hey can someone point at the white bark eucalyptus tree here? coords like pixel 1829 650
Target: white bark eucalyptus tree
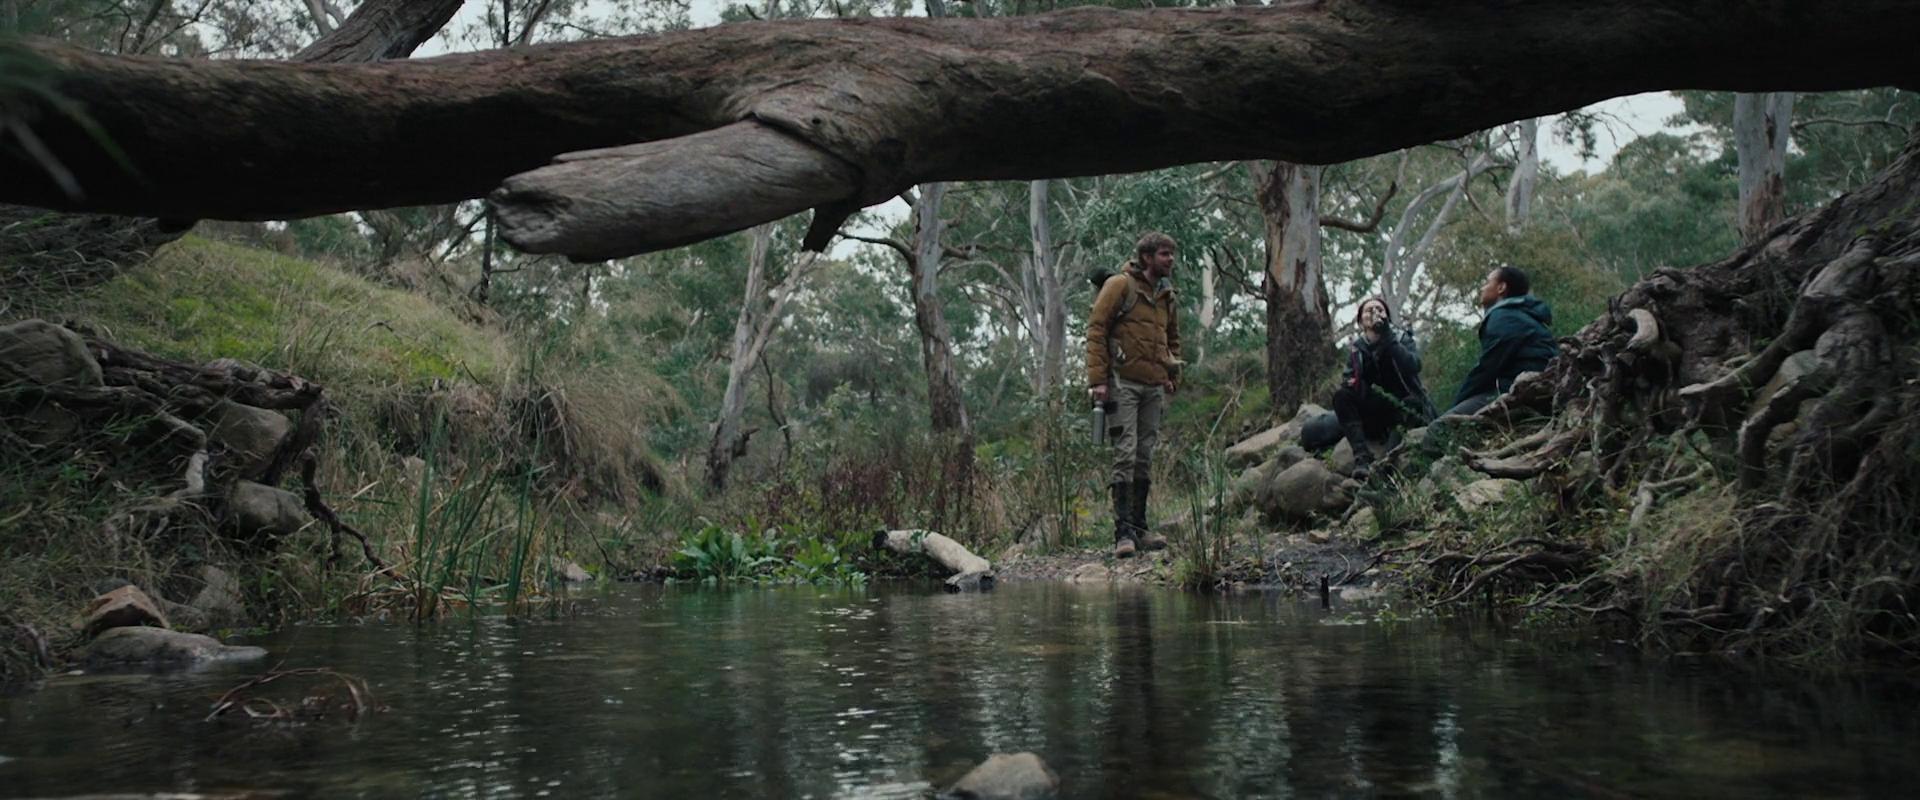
pixel 1413 235
pixel 1042 298
pixel 1762 126
pixel 1526 172
pixel 761 309
pixel 1299 327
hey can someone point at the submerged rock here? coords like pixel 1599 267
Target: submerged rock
pixel 124 607
pixel 1019 776
pixel 155 647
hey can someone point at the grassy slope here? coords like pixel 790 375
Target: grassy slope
pixel 202 299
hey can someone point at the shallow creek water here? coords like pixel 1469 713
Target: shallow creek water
pixel 896 690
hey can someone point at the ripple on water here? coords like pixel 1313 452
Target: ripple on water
pixel 892 691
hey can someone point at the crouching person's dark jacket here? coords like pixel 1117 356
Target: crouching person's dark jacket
pixel 1513 339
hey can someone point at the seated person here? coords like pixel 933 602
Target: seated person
pixel 1513 339
pixel 1380 389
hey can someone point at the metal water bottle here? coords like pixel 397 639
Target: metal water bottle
pixel 1101 410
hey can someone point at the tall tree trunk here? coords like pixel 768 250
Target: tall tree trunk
pixel 483 291
pixel 1299 329
pixel 945 402
pixel 1050 332
pixel 1762 125
pixel 1209 307
pixel 753 330
pixel 733 402
pixel 322 14
pixel 1526 172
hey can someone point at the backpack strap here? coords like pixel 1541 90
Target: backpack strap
pixel 1127 302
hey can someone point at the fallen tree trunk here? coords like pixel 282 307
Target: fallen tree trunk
pixel 60 253
pixel 970 572
pixel 873 106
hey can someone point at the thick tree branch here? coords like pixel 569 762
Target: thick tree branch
pixel 380 30
pixel 877 105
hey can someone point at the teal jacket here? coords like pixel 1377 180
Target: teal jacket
pixel 1513 339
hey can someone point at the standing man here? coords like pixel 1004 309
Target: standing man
pixel 1133 364
pixel 1513 339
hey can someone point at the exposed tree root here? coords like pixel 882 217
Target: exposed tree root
pixel 1791 366
pixel 162 416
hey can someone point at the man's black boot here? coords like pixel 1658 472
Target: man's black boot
pixel 1137 515
pixel 1123 543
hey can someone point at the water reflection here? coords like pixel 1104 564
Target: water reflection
pixel 890 692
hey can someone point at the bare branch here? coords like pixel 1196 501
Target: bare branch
pixel 895 244
pixel 1858 123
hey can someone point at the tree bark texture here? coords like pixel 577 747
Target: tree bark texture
pixel 1047 322
pixel 379 30
pixel 733 401
pixel 1299 329
pixel 855 111
pixel 761 310
pixel 67 252
pixel 1208 313
pixel 1526 172
pixel 1762 127
pixel 945 401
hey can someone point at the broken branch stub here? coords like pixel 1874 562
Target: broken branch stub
pixel 599 204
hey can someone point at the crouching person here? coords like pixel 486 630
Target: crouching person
pixel 1380 389
pixel 1514 338
pixel 1133 355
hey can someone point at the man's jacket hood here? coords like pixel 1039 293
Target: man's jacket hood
pixel 1526 304
pixel 1514 338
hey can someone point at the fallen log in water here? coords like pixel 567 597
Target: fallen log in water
pixel 970 572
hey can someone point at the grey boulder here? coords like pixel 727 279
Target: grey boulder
pixel 1019 776
pixel 154 647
